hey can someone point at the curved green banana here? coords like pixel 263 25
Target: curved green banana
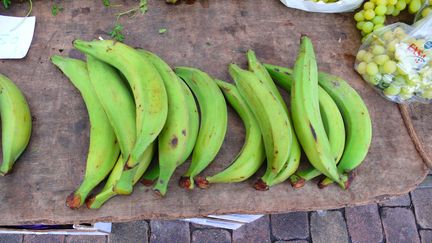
pixel 272 118
pixel 214 119
pixel 151 102
pixel 335 130
pixel 332 121
pixel 194 122
pixel 116 99
pixel 252 154
pixel 306 113
pixel 355 114
pixel 293 161
pixel 103 148
pixel 174 137
pixel 16 123
pixel 357 119
pixel 123 184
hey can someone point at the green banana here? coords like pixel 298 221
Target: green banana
pixel 358 124
pixel 252 155
pixel 272 118
pixel 174 137
pixel 123 185
pixel 16 123
pixel 116 99
pixel 194 122
pixel 293 161
pixel 332 121
pixel 147 86
pixel 103 148
pixel 357 120
pixel 306 113
pixel 214 119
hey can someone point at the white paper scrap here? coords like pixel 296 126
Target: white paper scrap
pixel 321 7
pixel 16 34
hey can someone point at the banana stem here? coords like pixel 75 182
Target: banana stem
pixel 296 181
pixel 77 198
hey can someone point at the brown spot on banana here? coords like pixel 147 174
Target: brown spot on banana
pixel 174 141
pixel 313 131
pixel 184 132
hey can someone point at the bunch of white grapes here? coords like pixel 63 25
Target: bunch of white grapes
pixel 372 16
pixel 397 64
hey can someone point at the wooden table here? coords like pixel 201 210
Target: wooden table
pixel 208 35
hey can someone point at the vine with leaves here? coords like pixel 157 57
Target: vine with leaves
pixel 117 30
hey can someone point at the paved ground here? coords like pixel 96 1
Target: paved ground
pixel 403 220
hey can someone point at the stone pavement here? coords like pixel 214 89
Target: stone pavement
pixel 405 219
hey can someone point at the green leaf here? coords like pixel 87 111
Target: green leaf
pixel 163 30
pixel 143 6
pixel 6 3
pixel 116 32
pixel 106 3
pixel 55 9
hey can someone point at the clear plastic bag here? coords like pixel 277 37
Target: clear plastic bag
pixel 425 11
pixel 397 61
pixel 320 6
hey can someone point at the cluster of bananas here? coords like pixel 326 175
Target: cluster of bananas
pixel 16 123
pixel 135 101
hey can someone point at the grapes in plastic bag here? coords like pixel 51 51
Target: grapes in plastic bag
pixel 397 61
pixel 425 11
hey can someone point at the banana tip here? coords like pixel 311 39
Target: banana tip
pixel 90 201
pixel 73 201
pixel 147 182
pixel 349 181
pixel 158 193
pixel 202 182
pixel 323 183
pixel 185 182
pixel 260 185
pixel 298 183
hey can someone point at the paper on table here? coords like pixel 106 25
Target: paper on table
pixel 16 34
pixel 230 221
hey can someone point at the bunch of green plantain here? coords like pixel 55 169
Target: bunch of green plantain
pixel 330 119
pixel 16 123
pixel 138 105
pixel 139 108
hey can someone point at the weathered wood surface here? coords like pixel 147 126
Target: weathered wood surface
pixel 418 117
pixel 208 36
